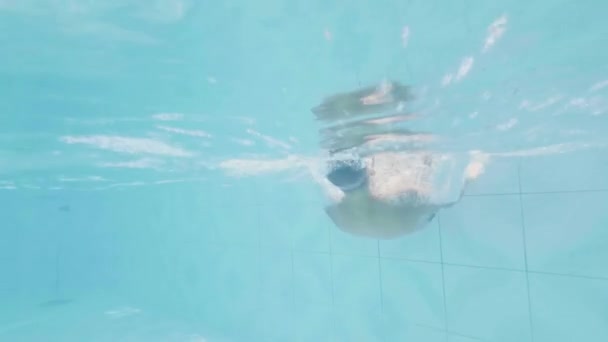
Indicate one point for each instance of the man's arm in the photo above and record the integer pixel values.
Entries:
(475, 168)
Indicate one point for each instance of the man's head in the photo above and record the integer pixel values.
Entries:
(348, 175)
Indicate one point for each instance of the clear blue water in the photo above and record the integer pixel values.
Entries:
(156, 161)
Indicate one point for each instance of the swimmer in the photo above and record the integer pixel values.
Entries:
(374, 192)
(387, 195)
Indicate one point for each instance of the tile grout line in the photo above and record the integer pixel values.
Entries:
(293, 279)
(556, 274)
(258, 218)
(331, 279)
(293, 268)
(524, 240)
(448, 332)
(547, 192)
(445, 306)
(57, 259)
(331, 267)
(575, 276)
(572, 276)
(380, 279)
(527, 193)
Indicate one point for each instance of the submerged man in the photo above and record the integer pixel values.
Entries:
(384, 194)
(391, 194)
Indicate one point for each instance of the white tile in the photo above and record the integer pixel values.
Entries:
(286, 191)
(566, 233)
(421, 245)
(313, 324)
(349, 244)
(236, 225)
(312, 280)
(195, 217)
(310, 229)
(301, 227)
(356, 283)
(358, 325)
(489, 304)
(235, 192)
(276, 278)
(38, 265)
(87, 267)
(276, 227)
(233, 281)
(399, 331)
(413, 291)
(189, 276)
(455, 338)
(9, 244)
(264, 325)
(568, 309)
(12, 228)
(484, 231)
(583, 170)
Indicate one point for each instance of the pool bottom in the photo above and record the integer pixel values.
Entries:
(94, 319)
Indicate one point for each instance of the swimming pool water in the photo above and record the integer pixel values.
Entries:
(155, 162)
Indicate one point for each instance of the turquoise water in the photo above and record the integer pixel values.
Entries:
(157, 163)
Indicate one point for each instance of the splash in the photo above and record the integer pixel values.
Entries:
(495, 32)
